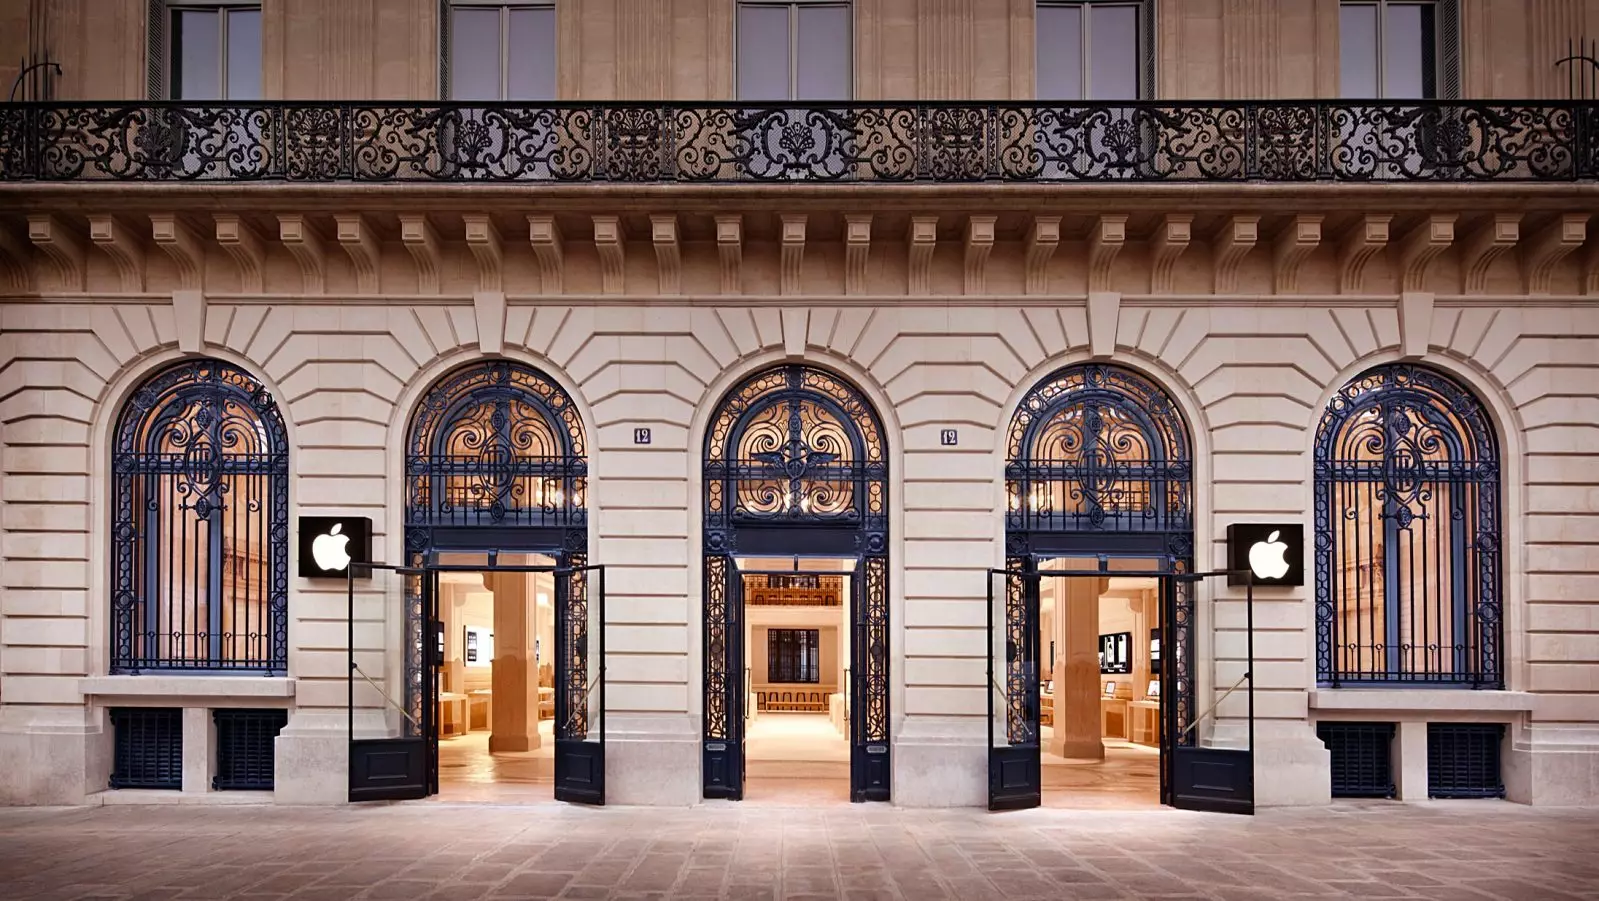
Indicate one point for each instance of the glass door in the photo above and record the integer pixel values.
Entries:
(1193, 775)
(1015, 779)
(399, 761)
(580, 684)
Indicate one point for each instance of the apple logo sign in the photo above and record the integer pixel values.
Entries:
(1268, 558)
(329, 549)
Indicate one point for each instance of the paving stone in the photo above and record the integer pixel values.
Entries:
(1487, 852)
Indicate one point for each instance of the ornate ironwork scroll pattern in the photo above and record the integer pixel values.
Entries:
(1021, 676)
(662, 142)
(572, 599)
(1407, 533)
(200, 485)
(496, 443)
(795, 445)
(874, 630)
(492, 444)
(716, 648)
(1098, 448)
(1181, 648)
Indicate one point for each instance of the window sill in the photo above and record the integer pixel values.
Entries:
(1399, 700)
(188, 686)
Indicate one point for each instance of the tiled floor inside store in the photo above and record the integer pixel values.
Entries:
(1456, 851)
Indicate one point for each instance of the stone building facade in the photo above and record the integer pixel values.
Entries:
(930, 242)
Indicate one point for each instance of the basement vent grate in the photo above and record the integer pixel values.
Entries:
(1362, 761)
(1463, 760)
(147, 747)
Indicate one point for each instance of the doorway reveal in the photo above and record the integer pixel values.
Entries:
(797, 716)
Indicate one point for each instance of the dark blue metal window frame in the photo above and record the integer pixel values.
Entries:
(796, 464)
(204, 411)
(1393, 442)
(474, 481)
(1098, 465)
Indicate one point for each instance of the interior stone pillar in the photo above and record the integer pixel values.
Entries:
(1077, 686)
(515, 722)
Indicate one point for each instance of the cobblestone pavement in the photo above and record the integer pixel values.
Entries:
(1454, 851)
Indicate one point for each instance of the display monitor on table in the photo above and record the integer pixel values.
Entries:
(1154, 688)
(1110, 689)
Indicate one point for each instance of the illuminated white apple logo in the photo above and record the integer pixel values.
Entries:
(328, 550)
(1266, 558)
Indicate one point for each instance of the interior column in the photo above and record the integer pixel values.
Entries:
(1077, 686)
(515, 725)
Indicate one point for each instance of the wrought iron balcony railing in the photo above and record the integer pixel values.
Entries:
(883, 142)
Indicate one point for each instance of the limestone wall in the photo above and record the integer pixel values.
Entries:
(1250, 355)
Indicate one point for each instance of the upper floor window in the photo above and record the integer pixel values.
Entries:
(1407, 534)
(795, 50)
(1397, 49)
(200, 524)
(499, 51)
(1092, 51)
(207, 50)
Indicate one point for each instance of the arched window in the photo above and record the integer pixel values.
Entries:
(496, 444)
(1407, 533)
(796, 446)
(200, 524)
(1098, 448)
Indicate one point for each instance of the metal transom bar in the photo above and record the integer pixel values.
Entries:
(890, 142)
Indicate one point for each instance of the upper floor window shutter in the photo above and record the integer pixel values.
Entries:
(1451, 78)
(444, 49)
(1147, 89)
(155, 58)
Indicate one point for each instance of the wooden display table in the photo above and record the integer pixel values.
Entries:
(1146, 722)
(453, 702)
(485, 698)
(1113, 712)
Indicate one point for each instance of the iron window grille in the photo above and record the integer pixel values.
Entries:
(1463, 760)
(245, 748)
(147, 747)
(200, 524)
(1361, 756)
(793, 655)
(1407, 534)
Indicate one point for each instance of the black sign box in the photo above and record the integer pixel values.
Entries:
(329, 544)
(1274, 552)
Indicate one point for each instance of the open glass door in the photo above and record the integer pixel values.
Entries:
(1015, 778)
(399, 761)
(580, 684)
(722, 749)
(1194, 776)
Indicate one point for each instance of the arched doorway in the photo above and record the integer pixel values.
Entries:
(795, 469)
(1092, 634)
(495, 488)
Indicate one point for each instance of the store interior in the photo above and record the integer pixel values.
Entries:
(496, 700)
(796, 639)
(1099, 653)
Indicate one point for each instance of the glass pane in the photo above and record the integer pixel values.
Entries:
(531, 62)
(825, 53)
(244, 54)
(594, 652)
(999, 723)
(1113, 53)
(474, 54)
(1060, 53)
(1357, 52)
(1407, 51)
(763, 52)
(196, 54)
